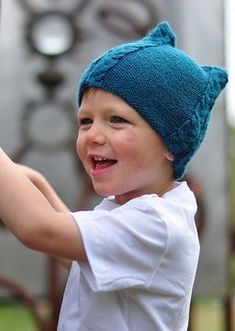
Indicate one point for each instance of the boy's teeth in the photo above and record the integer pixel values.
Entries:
(100, 158)
(100, 163)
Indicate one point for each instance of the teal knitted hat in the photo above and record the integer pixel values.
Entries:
(172, 92)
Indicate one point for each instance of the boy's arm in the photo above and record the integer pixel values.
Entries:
(33, 219)
(42, 184)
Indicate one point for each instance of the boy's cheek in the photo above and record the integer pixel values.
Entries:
(79, 146)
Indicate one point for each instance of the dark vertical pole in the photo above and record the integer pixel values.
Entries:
(190, 324)
(228, 312)
(54, 290)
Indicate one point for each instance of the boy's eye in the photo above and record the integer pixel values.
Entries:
(118, 119)
(85, 121)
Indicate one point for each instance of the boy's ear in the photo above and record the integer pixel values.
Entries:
(169, 156)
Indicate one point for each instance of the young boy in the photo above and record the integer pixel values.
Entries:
(143, 112)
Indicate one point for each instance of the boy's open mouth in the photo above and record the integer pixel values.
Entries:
(99, 162)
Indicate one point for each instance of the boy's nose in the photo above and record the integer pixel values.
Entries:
(96, 134)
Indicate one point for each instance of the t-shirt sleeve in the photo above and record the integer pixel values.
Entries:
(124, 246)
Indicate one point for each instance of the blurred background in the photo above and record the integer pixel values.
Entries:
(45, 46)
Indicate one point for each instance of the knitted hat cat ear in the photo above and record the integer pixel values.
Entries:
(162, 34)
(170, 90)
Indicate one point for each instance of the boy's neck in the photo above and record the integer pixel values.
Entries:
(160, 191)
(167, 188)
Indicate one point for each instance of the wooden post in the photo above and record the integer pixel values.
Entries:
(228, 314)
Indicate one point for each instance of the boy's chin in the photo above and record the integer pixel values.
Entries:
(102, 192)
(106, 192)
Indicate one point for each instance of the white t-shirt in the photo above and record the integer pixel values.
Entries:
(142, 257)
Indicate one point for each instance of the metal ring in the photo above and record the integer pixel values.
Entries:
(107, 14)
(33, 108)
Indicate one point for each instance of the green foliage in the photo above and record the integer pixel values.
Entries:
(16, 318)
(207, 315)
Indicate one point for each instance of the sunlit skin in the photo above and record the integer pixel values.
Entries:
(121, 153)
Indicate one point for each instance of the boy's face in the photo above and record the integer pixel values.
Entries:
(121, 153)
